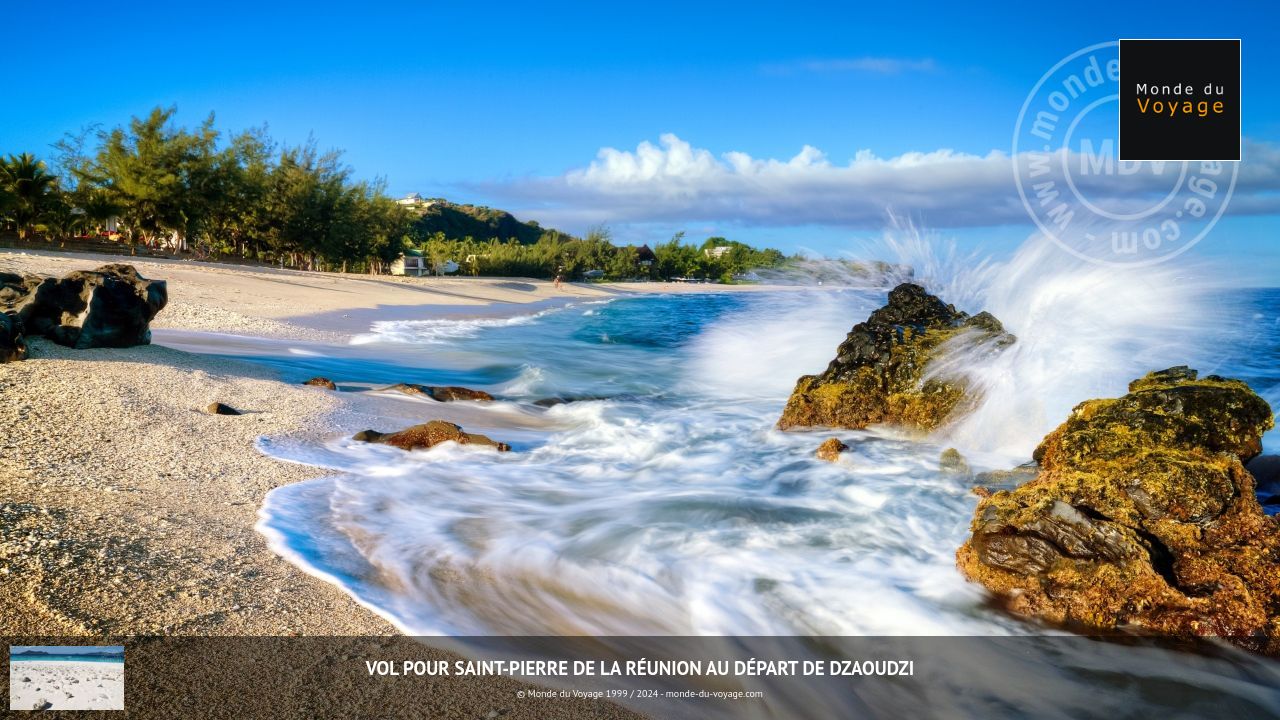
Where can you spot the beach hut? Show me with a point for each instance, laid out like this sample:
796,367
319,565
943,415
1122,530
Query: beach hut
645,256
411,263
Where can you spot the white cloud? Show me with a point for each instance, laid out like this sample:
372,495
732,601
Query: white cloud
673,181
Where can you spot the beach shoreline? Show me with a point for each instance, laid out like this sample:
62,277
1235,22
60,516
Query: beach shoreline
263,301
129,511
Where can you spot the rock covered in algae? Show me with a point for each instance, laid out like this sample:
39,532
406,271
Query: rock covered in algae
878,374
429,434
830,449
1142,517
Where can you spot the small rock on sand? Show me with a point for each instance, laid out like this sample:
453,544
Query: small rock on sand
221,409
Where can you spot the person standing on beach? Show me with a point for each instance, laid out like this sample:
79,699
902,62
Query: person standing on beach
559,277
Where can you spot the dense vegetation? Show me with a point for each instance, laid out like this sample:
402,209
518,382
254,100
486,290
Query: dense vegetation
214,195
558,254
477,221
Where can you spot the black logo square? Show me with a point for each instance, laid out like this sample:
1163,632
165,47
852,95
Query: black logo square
1179,99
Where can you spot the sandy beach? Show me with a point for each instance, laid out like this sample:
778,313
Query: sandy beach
263,301
66,685
127,510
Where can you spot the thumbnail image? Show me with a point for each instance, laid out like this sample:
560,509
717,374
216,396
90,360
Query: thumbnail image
66,677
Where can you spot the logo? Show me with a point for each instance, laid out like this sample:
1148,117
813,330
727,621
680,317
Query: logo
1079,193
1180,100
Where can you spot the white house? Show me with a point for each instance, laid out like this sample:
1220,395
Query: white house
414,200
410,263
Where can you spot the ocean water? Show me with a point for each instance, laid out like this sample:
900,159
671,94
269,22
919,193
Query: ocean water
662,501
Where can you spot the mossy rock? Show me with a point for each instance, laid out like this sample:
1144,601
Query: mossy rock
1142,517
878,374
830,449
429,434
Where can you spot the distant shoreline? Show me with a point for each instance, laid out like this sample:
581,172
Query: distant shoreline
62,661
263,301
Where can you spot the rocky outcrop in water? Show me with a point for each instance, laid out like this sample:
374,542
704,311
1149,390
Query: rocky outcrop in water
830,449
878,374
429,434
441,393
1142,517
953,463
321,382
109,307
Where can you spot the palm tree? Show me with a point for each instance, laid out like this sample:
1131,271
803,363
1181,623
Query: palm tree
99,206
29,185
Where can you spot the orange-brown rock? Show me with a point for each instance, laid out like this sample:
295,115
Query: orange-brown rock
441,393
429,434
830,449
1142,517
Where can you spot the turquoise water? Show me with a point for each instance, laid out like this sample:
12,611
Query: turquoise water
64,658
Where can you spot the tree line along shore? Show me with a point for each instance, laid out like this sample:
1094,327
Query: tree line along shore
207,194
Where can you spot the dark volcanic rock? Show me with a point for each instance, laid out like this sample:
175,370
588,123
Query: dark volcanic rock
109,307
427,435
878,373
13,346
1142,516
221,409
323,382
441,393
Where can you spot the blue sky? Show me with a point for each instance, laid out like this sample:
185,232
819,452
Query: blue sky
498,102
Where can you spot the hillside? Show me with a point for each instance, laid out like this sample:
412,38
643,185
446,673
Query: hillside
477,221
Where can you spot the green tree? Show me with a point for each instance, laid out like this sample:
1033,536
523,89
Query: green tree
234,220
161,176
29,189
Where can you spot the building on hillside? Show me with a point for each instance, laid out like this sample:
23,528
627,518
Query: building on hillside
715,253
414,200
